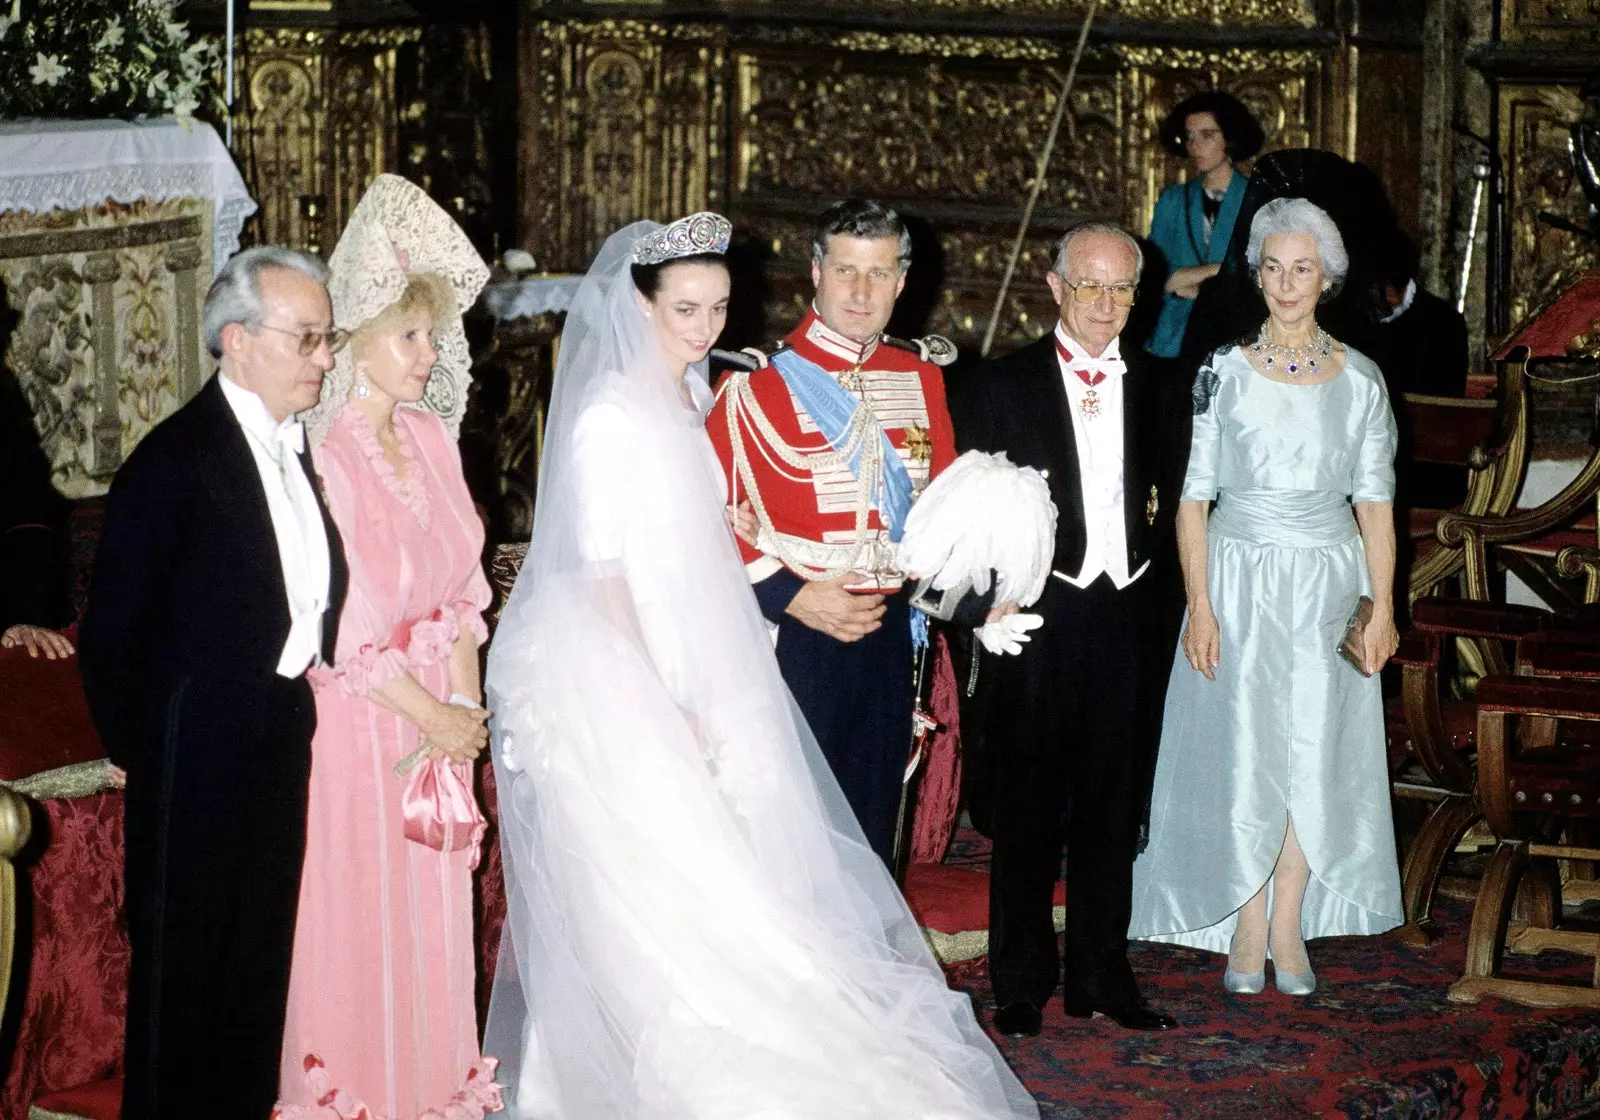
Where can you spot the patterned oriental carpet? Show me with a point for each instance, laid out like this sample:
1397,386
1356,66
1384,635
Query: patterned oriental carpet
1377,1039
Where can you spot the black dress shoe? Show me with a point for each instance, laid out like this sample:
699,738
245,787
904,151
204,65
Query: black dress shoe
1132,1014
1018,1020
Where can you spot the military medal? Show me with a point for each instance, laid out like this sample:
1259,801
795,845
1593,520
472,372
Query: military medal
1090,404
1091,399
918,445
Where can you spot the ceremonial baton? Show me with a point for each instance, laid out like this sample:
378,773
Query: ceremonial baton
1038,178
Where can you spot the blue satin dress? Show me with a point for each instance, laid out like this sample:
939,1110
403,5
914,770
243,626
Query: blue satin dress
1287,728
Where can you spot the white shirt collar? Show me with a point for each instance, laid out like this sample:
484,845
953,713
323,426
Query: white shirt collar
1080,353
1405,303
254,418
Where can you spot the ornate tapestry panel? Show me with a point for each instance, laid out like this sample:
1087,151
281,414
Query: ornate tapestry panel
108,339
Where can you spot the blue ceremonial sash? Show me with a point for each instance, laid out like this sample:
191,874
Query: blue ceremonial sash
833,407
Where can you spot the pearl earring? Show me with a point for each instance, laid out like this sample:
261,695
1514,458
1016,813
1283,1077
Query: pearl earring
363,390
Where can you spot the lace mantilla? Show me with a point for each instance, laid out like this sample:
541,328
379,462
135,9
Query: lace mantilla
73,164
395,232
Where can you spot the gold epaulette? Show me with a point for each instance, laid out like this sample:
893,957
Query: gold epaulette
935,348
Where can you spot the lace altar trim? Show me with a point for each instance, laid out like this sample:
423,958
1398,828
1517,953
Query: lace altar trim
478,1095
74,190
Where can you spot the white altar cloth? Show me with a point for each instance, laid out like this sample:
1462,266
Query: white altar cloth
45,164
531,296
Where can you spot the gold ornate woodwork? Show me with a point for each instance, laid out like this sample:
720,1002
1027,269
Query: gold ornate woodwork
317,122
627,110
1570,20
1542,260
624,119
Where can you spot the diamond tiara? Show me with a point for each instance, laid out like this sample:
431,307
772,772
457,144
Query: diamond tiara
704,232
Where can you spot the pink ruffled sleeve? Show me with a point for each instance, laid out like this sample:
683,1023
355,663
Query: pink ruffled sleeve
363,658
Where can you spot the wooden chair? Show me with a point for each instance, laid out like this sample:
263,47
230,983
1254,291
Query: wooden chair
1533,542
1433,735
1485,437
15,826
1540,796
1583,560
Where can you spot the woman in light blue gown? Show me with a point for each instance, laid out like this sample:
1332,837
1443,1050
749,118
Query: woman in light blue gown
1270,818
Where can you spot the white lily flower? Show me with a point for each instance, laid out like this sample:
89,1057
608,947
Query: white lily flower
113,35
47,70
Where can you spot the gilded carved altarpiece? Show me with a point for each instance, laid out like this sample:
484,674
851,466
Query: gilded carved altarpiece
771,119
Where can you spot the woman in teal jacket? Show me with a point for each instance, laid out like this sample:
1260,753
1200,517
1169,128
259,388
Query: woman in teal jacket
1194,220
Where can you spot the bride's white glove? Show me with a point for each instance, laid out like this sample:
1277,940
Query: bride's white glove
1008,633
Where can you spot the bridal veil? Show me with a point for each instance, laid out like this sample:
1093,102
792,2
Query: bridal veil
696,929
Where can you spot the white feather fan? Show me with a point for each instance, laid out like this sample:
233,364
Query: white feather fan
983,513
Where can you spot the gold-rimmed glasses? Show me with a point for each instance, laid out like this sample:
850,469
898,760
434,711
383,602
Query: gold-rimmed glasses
1090,291
308,341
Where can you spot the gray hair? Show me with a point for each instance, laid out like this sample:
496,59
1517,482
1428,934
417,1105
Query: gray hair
1096,225
1299,215
235,295
860,217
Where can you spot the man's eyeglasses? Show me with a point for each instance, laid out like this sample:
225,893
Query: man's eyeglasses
310,340
1088,291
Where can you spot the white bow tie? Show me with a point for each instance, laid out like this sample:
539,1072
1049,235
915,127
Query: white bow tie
1111,367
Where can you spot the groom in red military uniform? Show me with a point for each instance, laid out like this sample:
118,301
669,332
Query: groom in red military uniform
830,438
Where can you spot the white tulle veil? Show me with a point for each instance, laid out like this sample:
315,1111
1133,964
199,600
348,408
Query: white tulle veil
696,928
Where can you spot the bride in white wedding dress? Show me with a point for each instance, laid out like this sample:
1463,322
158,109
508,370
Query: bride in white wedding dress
697,929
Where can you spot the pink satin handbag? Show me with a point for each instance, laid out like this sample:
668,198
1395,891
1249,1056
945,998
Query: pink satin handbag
440,809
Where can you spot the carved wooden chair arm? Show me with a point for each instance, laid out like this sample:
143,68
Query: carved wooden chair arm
1556,697
1473,619
1417,647
15,825
1559,655
1454,527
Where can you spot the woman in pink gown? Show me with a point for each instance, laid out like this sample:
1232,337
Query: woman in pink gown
381,1021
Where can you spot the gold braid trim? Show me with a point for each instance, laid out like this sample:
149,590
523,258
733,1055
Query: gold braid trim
741,399
81,779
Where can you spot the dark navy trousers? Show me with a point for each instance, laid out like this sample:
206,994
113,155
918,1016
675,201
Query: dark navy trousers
858,698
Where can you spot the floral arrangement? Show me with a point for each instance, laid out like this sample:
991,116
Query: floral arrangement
100,58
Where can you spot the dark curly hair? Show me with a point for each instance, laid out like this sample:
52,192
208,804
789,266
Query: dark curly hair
1240,130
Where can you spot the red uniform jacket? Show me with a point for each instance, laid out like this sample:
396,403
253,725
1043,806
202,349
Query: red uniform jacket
815,512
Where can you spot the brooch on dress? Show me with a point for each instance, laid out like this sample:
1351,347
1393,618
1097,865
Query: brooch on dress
1205,387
